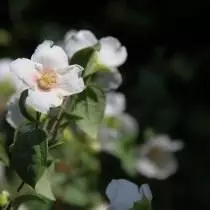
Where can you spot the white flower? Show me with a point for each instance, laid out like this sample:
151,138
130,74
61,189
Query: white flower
123,194
126,125
156,157
77,40
111,54
5,73
14,116
4,69
115,104
109,80
48,77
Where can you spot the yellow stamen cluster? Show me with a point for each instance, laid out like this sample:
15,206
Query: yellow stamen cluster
47,80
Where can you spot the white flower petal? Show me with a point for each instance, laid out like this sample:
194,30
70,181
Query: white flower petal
50,56
145,190
112,53
129,125
14,116
122,192
5,72
115,104
108,138
156,163
109,80
43,101
71,82
77,40
25,70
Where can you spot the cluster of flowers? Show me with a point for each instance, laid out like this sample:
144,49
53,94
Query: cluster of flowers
49,79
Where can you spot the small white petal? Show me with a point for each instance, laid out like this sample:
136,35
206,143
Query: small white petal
115,104
43,101
25,70
50,56
109,80
145,190
77,40
71,82
123,192
112,53
14,116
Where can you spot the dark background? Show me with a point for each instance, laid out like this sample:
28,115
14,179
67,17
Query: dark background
166,76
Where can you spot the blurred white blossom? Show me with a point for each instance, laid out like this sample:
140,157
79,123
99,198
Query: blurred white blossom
124,124
156,158
14,116
122,194
115,104
5,73
111,54
47,76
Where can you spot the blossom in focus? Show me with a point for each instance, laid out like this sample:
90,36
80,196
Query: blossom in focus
111,54
156,158
122,194
47,76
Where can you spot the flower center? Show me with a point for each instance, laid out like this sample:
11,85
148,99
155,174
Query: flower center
47,80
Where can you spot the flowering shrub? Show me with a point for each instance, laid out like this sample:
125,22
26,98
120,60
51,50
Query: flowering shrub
62,111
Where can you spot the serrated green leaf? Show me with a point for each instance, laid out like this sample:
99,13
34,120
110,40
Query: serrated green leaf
29,155
43,186
26,198
89,105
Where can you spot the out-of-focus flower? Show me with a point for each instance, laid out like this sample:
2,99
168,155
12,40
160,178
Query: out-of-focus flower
122,124
115,104
14,116
48,77
156,158
5,73
111,54
123,194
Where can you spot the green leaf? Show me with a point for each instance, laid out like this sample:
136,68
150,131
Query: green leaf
43,186
89,105
29,155
22,105
26,198
3,153
88,58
